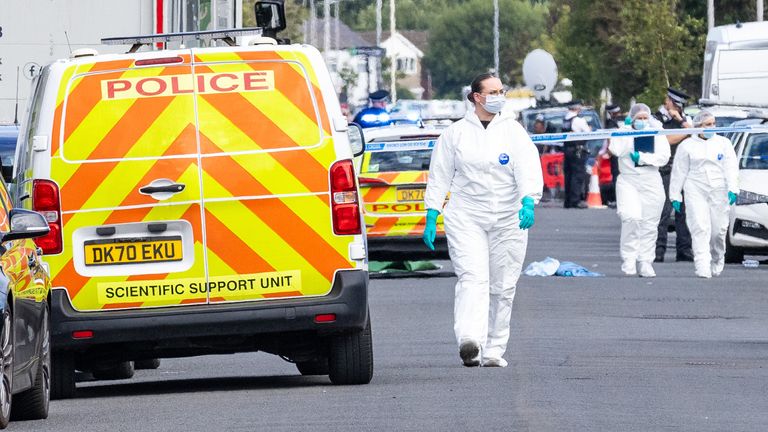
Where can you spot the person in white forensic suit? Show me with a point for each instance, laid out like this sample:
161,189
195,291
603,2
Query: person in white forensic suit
639,195
491,168
707,170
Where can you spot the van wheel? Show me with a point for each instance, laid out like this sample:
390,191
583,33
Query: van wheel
351,357
32,404
733,255
121,370
63,376
6,367
146,364
316,367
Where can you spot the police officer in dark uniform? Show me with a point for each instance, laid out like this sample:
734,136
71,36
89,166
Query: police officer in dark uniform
575,155
375,114
671,117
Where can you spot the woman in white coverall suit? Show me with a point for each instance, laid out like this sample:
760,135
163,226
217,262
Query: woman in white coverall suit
639,195
491,168
706,169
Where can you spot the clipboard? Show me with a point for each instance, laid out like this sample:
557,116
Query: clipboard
645,144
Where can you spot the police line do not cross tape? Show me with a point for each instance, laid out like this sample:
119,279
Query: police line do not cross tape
557,139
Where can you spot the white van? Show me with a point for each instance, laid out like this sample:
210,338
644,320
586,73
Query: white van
201,201
736,64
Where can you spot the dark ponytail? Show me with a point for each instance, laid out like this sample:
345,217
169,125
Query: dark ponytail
477,85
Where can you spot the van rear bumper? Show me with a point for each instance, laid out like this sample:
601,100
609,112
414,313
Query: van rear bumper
348,300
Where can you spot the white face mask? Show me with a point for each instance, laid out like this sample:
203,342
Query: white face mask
494,103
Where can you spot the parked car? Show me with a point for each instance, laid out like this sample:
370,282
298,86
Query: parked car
25,347
393,177
8,136
748,229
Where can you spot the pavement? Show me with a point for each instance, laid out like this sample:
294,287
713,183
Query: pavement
614,353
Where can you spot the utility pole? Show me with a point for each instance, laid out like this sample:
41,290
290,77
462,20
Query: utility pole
312,23
336,30
760,10
710,14
378,22
496,37
393,65
326,28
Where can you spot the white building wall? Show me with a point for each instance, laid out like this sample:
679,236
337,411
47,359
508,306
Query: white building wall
34,35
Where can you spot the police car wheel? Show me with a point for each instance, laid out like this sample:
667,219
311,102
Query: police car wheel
351,357
316,367
121,370
146,364
6,364
32,404
63,376
733,255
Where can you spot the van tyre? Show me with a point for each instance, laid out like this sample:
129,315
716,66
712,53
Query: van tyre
733,255
63,376
351,357
146,364
6,366
32,404
316,367
121,370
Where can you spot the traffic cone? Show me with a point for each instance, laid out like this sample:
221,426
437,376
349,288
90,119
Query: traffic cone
593,196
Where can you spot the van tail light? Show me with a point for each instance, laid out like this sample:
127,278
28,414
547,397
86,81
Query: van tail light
45,200
345,206
372,182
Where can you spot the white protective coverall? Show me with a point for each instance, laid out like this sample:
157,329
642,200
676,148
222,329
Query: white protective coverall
706,169
639,200
487,171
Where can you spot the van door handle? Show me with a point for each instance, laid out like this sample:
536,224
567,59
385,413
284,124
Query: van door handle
171,188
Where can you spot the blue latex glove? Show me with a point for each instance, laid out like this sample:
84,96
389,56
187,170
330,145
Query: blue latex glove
430,229
526,213
635,156
676,205
732,198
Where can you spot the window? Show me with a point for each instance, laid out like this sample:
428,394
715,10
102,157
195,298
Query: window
410,160
755,154
406,65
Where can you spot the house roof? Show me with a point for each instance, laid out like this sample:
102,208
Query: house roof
417,37
348,38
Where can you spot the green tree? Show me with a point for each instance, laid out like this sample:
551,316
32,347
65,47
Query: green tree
461,42
661,47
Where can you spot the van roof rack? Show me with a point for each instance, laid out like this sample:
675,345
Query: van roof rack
226,35
714,102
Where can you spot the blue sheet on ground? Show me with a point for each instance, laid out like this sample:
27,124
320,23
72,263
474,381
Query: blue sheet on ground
568,268
550,266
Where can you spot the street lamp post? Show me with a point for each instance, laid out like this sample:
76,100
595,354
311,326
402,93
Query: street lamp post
496,36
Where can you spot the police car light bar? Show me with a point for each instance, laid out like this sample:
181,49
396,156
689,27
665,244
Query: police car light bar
227,36
557,139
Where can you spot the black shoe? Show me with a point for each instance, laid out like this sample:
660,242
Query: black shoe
582,205
469,351
684,258
658,259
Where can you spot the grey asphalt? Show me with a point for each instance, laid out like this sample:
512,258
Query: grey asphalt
615,353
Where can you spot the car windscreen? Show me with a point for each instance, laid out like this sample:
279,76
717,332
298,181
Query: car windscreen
398,161
554,120
8,146
755,155
726,121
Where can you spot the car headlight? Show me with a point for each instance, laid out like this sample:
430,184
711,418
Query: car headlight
747,198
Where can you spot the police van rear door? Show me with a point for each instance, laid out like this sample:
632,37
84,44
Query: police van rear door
266,153
125,157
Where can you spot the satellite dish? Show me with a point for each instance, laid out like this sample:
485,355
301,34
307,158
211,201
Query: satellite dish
540,73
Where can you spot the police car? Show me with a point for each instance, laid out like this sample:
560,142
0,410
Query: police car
393,177
200,201
748,229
